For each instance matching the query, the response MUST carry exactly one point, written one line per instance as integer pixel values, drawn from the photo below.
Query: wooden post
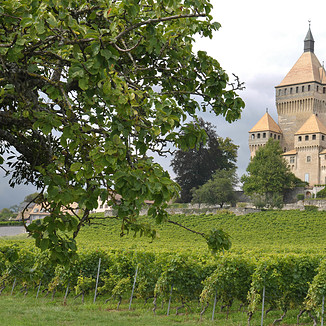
(66, 294)
(262, 308)
(13, 286)
(170, 300)
(38, 290)
(322, 311)
(215, 300)
(133, 287)
(98, 274)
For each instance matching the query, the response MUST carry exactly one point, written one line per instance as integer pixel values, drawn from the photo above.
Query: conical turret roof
(266, 123)
(307, 68)
(312, 126)
(309, 42)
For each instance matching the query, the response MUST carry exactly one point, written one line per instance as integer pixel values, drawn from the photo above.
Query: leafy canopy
(87, 88)
(196, 165)
(218, 190)
(268, 172)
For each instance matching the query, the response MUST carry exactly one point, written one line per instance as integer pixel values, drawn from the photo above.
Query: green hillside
(264, 232)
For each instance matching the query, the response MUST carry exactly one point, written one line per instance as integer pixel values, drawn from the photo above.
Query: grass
(27, 310)
(261, 233)
(258, 233)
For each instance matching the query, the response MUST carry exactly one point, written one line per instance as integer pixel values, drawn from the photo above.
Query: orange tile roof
(311, 126)
(291, 152)
(266, 123)
(323, 151)
(306, 69)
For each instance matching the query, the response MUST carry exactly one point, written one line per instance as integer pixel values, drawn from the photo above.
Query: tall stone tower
(301, 128)
(301, 93)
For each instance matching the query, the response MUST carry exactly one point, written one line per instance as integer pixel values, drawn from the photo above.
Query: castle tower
(264, 129)
(301, 93)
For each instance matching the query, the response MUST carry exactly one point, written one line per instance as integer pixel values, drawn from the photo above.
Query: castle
(301, 109)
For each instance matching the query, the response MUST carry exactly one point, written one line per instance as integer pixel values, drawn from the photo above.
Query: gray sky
(259, 41)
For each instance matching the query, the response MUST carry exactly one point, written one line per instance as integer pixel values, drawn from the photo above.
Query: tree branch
(182, 226)
(156, 20)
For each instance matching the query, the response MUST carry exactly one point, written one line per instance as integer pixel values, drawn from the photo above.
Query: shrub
(311, 208)
(300, 196)
(321, 193)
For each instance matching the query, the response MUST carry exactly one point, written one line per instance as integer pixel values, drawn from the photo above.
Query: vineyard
(287, 283)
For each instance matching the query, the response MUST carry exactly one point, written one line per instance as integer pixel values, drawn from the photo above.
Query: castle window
(264, 134)
(313, 137)
(322, 137)
(317, 88)
(302, 88)
(285, 91)
(258, 135)
(306, 137)
(324, 90)
(306, 177)
(309, 88)
(297, 89)
(271, 135)
(274, 136)
(291, 90)
(252, 136)
(279, 92)
(291, 159)
(284, 149)
(299, 138)
(278, 137)
(308, 159)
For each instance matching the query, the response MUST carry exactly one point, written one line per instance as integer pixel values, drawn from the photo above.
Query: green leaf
(83, 83)
(44, 244)
(75, 166)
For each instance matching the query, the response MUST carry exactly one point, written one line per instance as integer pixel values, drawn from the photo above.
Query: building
(36, 211)
(301, 109)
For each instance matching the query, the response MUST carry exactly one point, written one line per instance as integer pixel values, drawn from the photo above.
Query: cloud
(12, 196)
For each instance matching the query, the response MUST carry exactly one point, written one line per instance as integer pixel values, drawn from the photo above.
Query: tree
(269, 175)
(88, 88)
(5, 214)
(31, 197)
(195, 166)
(218, 190)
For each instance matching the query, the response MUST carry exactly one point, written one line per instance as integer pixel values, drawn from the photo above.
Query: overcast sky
(259, 41)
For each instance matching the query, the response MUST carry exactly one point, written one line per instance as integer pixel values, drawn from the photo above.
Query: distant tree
(195, 166)
(31, 197)
(218, 190)
(5, 214)
(14, 208)
(269, 175)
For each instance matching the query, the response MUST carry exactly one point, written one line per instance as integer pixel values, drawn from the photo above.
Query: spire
(309, 42)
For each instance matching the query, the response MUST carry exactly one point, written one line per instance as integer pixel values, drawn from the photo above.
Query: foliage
(268, 174)
(6, 214)
(195, 166)
(88, 88)
(285, 279)
(321, 193)
(310, 208)
(181, 278)
(317, 289)
(300, 196)
(230, 281)
(218, 190)
(31, 197)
